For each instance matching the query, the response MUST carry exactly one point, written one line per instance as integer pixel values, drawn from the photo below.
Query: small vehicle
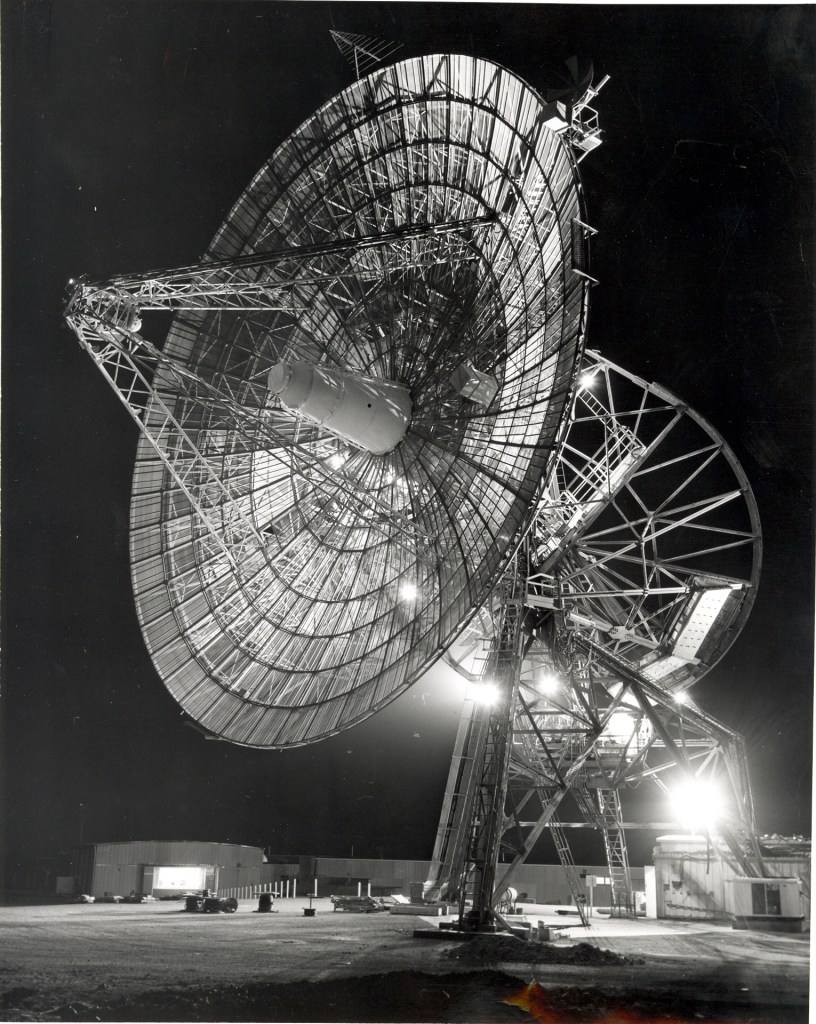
(84, 898)
(198, 903)
(109, 898)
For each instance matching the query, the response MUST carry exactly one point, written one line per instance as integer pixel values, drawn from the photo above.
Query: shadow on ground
(491, 997)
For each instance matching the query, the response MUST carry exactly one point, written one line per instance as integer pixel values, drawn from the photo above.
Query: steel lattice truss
(423, 223)
(642, 566)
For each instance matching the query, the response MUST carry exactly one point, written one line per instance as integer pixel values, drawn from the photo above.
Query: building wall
(690, 881)
(393, 875)
(122, 868)
(547, 883)
(271, 873)
(543, 883)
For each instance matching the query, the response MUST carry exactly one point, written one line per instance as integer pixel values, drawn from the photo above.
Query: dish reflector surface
(371, 563)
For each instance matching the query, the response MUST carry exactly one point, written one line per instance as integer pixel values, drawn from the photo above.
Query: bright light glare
(336, 461)
(485, 693)
(548, 684)
(620, 727)
(408, 591)
(587, 379)
(681, 697)
(697, 804)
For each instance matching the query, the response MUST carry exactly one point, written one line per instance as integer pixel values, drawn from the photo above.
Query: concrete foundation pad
(793, 925)
(569, 925)
(419, 910)
(445, 934)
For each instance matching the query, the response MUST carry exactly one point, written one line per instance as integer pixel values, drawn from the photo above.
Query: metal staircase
(623, 901)
(585, 481)
(570, 870)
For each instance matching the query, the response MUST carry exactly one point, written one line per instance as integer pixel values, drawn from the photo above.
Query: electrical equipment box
(767, 904)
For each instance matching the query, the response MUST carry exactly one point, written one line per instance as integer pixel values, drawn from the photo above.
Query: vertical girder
(472, 821)
(447, 876)
(487, 820)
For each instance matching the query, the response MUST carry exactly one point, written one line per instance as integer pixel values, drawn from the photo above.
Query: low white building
(695, 881)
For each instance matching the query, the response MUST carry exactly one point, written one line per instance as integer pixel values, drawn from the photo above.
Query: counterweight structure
(638, 573)
(365, 443)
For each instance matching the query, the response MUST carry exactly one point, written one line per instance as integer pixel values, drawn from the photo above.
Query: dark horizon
(130, 131)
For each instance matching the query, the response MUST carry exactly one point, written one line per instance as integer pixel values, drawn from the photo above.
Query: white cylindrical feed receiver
(367, 411)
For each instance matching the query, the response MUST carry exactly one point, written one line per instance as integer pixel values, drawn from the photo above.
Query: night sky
(129, 130)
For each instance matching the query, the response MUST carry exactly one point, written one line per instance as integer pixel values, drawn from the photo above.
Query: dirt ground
(154, 962)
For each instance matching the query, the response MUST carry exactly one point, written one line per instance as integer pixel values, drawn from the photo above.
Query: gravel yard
(156, 962)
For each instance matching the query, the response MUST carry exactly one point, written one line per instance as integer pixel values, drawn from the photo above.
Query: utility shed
(161, 868)
(694, 881)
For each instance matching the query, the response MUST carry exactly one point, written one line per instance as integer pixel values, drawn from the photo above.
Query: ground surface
(155, 962)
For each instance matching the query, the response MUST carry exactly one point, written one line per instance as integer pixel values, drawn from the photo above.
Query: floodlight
(697, 803)
(548, 684)
(620, 727)
(485, 693)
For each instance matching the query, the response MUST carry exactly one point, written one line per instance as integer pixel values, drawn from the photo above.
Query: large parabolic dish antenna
(350, 421)
(366, 443)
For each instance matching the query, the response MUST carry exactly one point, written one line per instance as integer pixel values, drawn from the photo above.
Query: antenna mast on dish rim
(363, 52)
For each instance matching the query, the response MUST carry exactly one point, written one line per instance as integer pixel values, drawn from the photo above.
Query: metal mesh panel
(372, 565)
